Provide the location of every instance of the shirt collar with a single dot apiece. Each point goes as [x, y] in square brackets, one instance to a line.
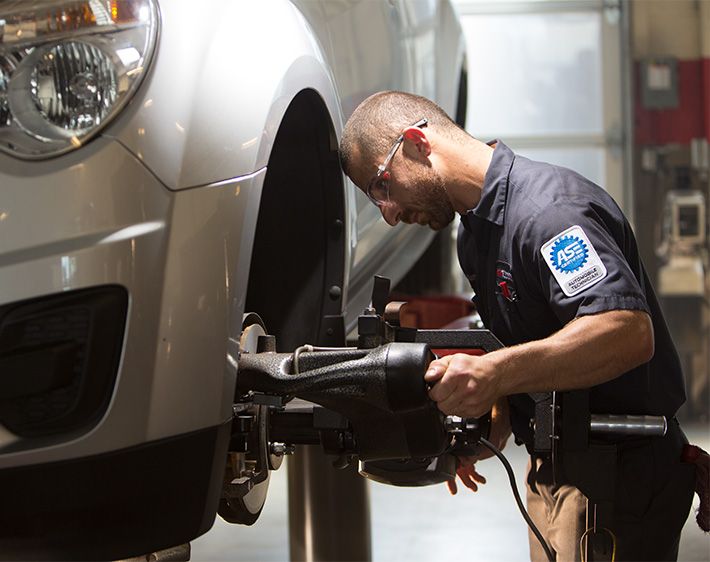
[491, 206]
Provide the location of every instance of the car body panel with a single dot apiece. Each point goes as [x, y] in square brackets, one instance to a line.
[113, 216]
[160, 245]
[217, 122]
[187, 143]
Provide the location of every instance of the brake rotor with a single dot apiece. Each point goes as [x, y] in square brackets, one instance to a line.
[246, 478]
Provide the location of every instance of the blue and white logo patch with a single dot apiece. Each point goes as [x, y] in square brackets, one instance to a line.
[569, 253]
[573, 261]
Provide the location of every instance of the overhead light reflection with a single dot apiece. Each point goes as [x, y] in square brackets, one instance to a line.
[249, 143]
[143, 13]
[133, 231]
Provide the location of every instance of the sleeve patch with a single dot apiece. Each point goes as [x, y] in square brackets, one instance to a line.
[573, 261]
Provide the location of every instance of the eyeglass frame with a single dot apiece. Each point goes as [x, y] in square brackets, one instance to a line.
[382, 168]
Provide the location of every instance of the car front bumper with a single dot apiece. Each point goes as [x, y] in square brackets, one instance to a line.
[154, 442]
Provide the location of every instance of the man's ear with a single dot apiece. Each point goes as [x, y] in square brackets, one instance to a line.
[416, 144]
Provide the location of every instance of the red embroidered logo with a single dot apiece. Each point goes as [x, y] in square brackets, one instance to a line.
[504, 282]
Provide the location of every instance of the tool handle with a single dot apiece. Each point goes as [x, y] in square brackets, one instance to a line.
[642, 426]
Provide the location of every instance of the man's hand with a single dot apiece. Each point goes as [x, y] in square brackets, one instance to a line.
[466, 471]
[499, 434]
[464, 385]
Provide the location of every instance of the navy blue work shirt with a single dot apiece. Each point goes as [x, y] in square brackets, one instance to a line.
[544, 246]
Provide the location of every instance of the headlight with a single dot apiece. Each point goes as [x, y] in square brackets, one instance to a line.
[67, 68]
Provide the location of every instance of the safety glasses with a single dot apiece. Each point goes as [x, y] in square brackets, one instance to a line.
[378, 190]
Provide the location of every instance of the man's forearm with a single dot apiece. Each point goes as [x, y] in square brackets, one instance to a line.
[588, 351]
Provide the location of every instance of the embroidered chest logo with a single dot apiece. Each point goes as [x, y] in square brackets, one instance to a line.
[504, 282]
[573, 261]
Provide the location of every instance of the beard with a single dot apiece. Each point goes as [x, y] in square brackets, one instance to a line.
[430, 203]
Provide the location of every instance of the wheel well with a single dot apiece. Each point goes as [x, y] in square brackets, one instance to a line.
[297, 265]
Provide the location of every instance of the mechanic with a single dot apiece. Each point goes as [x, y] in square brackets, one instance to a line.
[525, 226]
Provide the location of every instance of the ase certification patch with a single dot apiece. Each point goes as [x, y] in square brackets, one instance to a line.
[573, 261]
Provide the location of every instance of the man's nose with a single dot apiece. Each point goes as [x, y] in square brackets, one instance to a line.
[390, 213]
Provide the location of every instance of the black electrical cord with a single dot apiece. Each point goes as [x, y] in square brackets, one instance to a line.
[511, 477]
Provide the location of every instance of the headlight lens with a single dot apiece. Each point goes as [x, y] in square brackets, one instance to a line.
[67, 68]
[86, 90]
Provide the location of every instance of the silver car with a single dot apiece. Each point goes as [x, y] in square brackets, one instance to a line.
[164, 169]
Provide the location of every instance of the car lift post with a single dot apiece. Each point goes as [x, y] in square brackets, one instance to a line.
[328, 508]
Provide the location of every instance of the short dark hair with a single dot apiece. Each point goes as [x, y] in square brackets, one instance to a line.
[378, 121]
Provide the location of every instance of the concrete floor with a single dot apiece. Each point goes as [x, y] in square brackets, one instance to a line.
[424, 524]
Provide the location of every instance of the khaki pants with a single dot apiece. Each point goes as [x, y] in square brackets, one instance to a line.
[653, 495]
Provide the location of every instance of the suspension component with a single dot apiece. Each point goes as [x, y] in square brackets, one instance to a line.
[369, 404]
